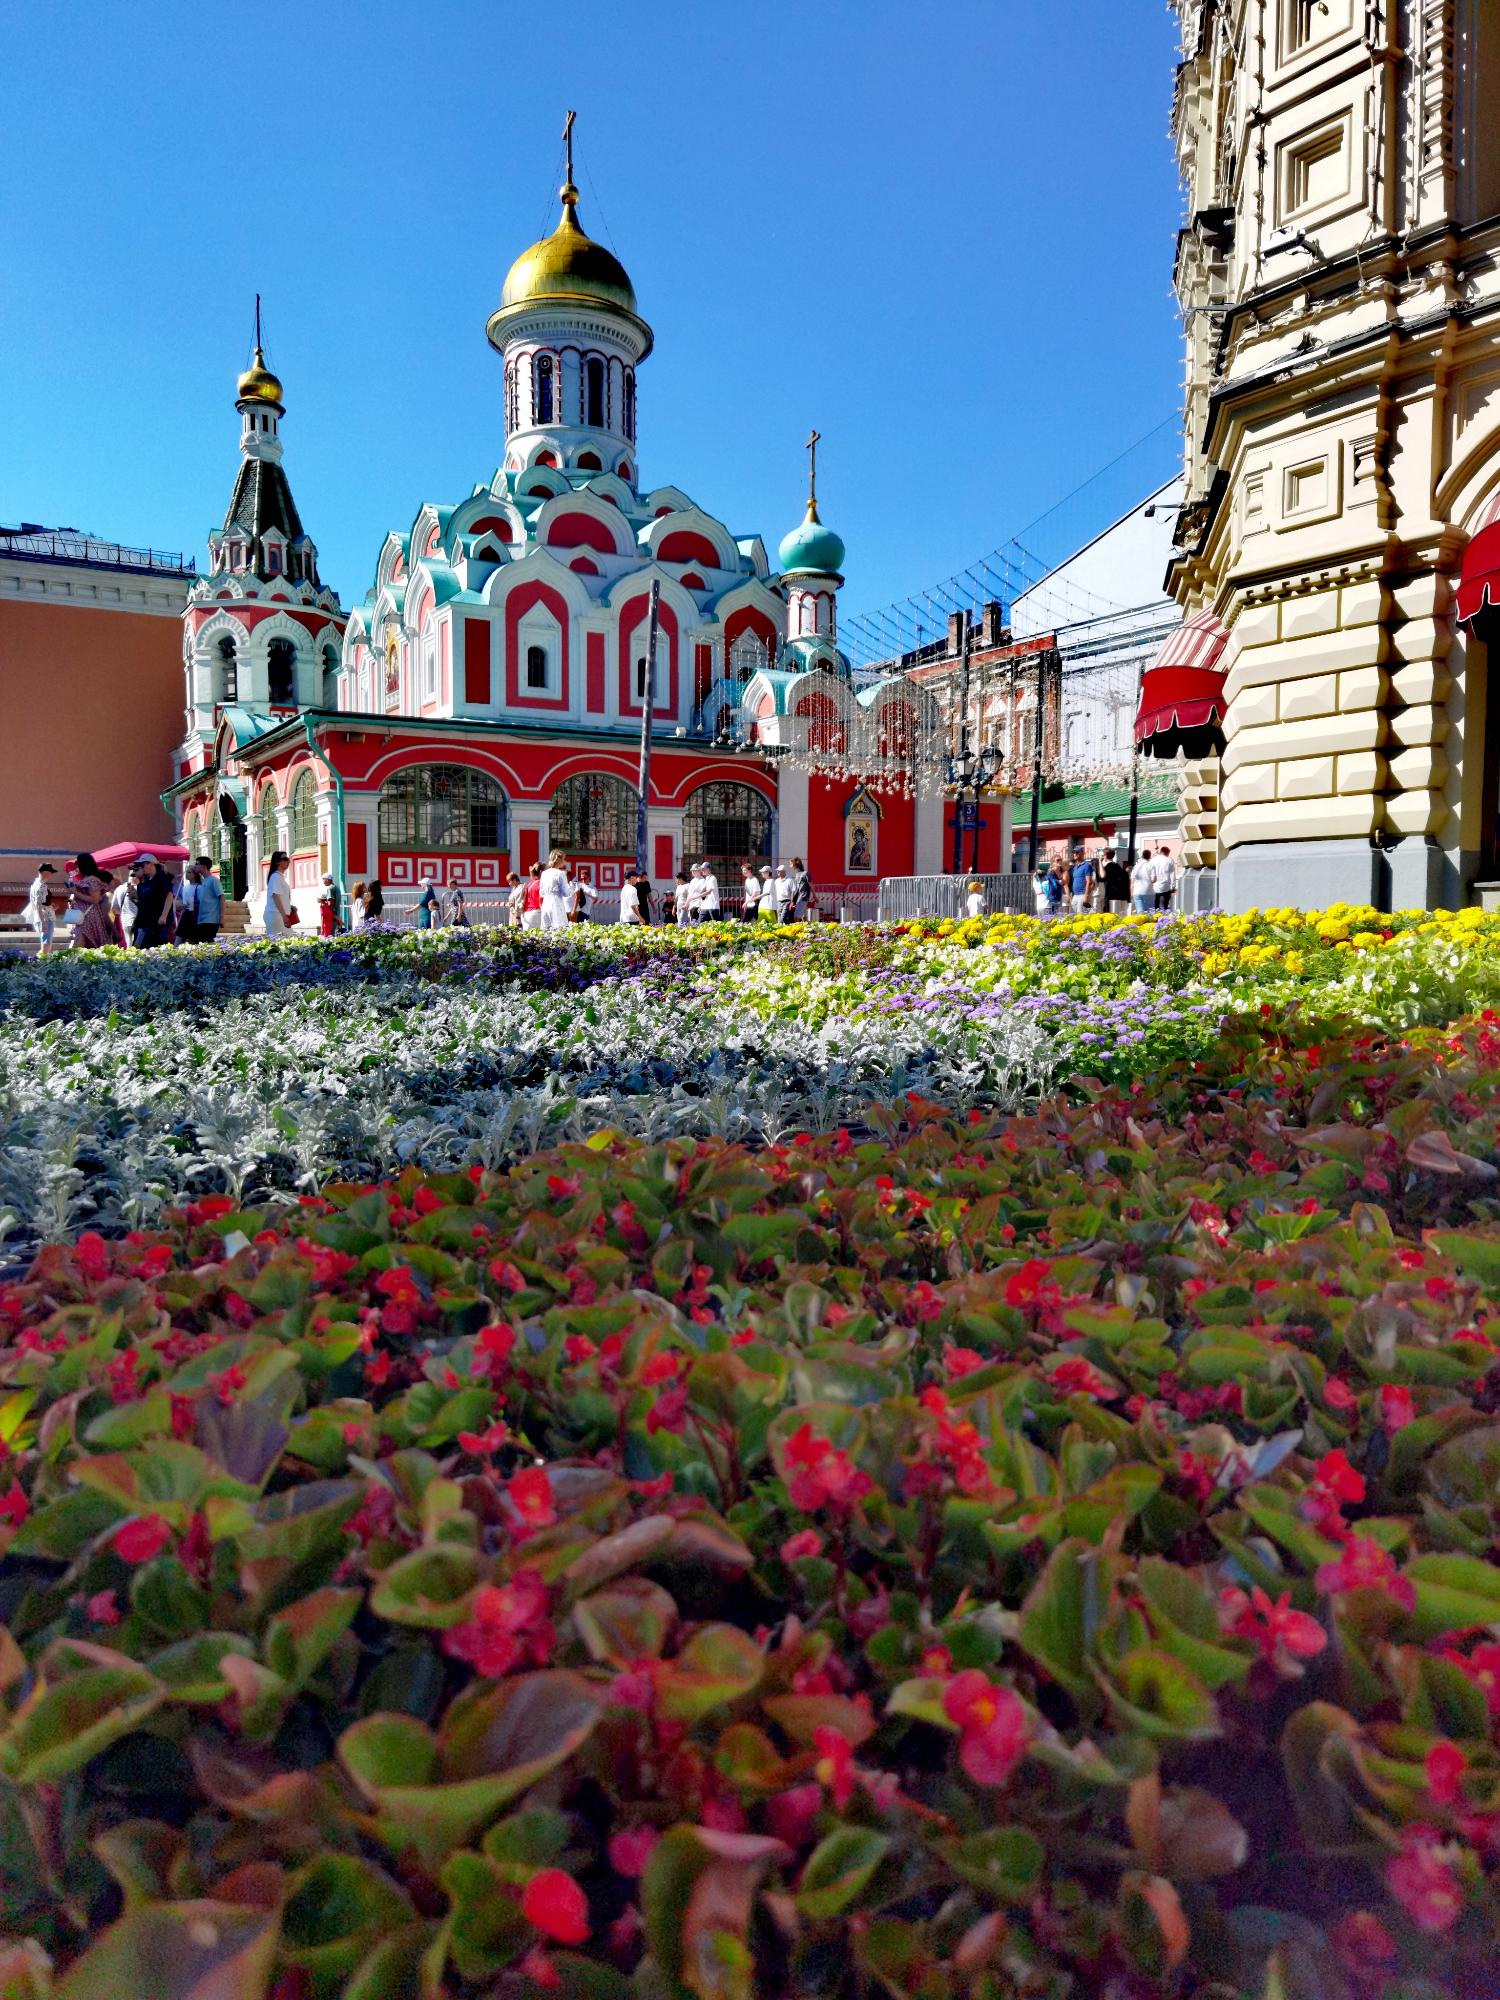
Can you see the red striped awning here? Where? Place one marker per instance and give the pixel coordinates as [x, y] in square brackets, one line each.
[1183, 688]
[1479, 579]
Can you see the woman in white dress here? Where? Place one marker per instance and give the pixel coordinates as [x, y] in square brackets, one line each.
[554, 893]
[277, 911]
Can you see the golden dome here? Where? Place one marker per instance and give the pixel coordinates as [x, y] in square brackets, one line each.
[569, 267]
[258, 384]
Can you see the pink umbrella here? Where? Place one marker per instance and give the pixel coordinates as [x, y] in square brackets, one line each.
[123, 852]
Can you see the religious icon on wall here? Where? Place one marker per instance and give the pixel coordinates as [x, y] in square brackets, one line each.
[861, 817]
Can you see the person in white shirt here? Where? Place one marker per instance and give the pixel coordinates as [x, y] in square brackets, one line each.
[750, 894]
[580, 895]
[695, 894]
[781, 892]
[39, 907]
[712, 908]
[122, 904]
[630, 902]
[554, 893]
[1164, 878]
[1143, 883]
[515, 890]
[974, 903]
[682, 897]
[767, 911]
[276, 911]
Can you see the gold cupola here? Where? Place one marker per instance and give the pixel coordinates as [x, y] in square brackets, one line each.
[567, 268]
[258, 384]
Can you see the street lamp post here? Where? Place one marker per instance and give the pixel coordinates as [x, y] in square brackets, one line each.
[648, 710]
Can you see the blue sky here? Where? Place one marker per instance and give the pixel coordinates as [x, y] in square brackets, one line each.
[941, 233]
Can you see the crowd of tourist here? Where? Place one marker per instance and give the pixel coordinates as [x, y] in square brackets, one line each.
[1105, 881]
[553, 894]
[144, 906]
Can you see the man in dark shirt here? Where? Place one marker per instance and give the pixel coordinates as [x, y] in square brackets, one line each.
[1116, 884]
[153, 903]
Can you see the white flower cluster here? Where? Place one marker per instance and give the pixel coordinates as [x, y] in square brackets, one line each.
[128, 1084]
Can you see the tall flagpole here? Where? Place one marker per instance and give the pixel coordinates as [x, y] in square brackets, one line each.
[648, 709]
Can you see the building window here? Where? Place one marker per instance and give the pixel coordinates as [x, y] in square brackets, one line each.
[542, 398]
[512, 410]
[593, 394]
[330, 674]
[726, 824]
[229, 670]
[281, 673]
[268, 840]
[304, 814]
[273, 559]
[442, 805]
[629, 407]
[536, 667]
[594, 815]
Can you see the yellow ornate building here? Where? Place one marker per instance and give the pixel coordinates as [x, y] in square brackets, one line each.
[1339, 274]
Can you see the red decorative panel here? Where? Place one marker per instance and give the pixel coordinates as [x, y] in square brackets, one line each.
[749, 619]
[664, 857]
[580, 531]
[357, 847]
[521, 600]
[703, 670]
[531, 847]
[594, 677]
[684, 545]
[491, 524]
[476, 660]
[445, 636]
[632, 618]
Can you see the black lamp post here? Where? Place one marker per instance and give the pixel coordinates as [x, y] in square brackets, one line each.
[969, 771]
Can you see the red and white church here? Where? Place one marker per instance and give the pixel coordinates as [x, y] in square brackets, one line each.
[483, 704]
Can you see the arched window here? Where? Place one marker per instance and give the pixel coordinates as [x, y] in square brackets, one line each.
[512, 400]
[594, 814]
[229, 669]
[593, 394]
[281, 672]
[268, 834]
[442, 805]
[330, 674]
[542, 401]
[726, 824]
[629, 410]
[304, 814]
[536, 667]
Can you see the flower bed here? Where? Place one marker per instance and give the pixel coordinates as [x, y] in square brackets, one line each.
[128, 1081]
[1063, 1566]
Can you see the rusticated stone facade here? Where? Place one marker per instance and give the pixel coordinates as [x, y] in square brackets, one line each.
[1339, 272]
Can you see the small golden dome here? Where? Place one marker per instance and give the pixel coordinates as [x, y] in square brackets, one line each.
[258, 384]
[566, 266]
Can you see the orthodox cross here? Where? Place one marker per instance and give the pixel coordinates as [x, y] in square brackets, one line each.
[257, 322]
[812, 470]
[568, 139]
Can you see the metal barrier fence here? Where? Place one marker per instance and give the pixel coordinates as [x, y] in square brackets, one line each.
[904, 896]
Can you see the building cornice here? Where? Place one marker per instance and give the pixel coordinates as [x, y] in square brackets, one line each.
[88, 589]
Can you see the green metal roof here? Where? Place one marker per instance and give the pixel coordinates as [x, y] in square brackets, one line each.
[1095, 802]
